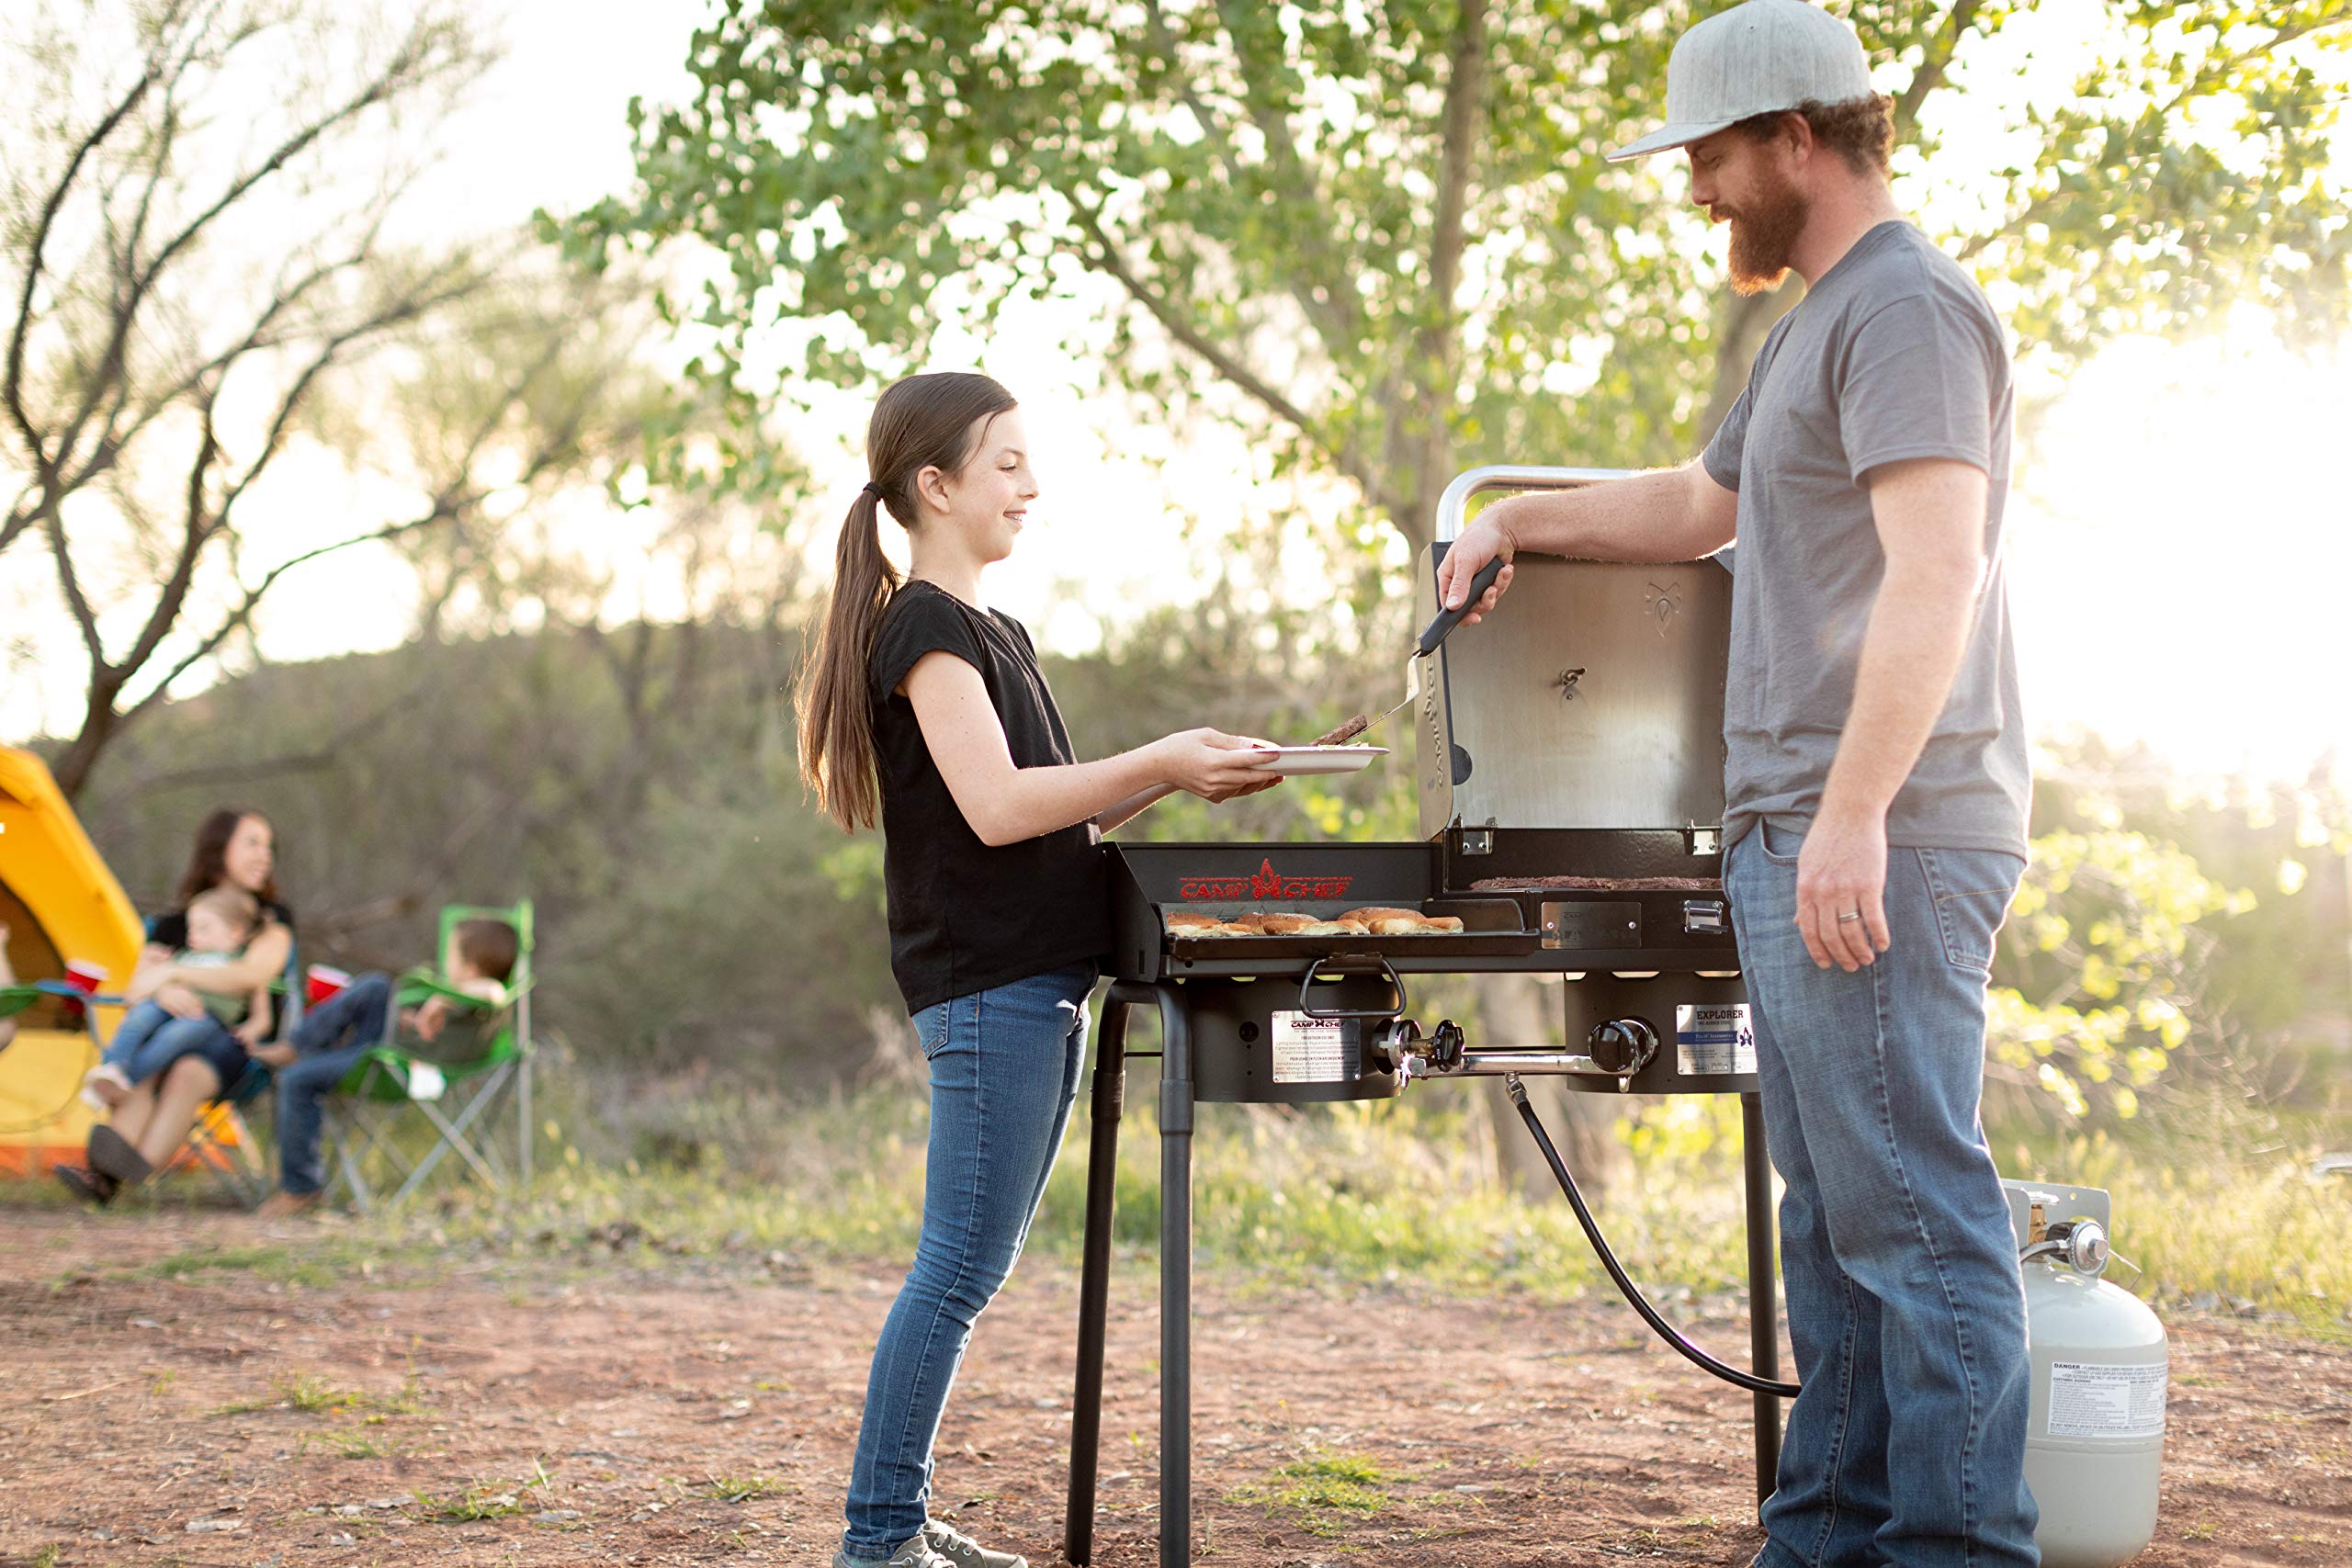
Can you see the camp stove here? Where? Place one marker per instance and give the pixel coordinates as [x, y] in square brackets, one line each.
[1569, 751]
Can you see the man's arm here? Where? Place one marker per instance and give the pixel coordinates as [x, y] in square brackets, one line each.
[1670, 514]
[1930, 518]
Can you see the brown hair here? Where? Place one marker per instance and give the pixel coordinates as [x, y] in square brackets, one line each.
[923, 421]
[235, 904]
[207, 864]
[490, 946]
[1860, 130]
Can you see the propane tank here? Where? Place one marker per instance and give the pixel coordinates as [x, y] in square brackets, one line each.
[2095, 1443]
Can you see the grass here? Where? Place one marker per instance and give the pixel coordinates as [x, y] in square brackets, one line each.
[741, 1488]
[1323, 1492]
[483, 1500]
[315, 1395]
[2211, 1208]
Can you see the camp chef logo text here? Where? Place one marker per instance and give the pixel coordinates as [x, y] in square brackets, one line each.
[1266, 883]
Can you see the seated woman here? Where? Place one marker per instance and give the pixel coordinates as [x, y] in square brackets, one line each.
[194, 1057]
[220, 921]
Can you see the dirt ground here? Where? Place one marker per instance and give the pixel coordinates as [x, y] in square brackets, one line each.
[556, 1412]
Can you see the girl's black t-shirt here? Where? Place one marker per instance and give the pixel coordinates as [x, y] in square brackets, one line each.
[966, 915]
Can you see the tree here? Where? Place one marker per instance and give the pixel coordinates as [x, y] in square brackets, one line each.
[197, 259]
[1387, 233]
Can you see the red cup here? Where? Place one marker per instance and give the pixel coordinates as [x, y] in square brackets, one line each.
[85, 977]
[319, 982]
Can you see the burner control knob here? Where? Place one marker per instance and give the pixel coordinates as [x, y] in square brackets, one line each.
[1391, 1043]
[1621, 1045]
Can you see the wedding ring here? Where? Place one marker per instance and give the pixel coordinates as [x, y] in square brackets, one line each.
[1850, 915]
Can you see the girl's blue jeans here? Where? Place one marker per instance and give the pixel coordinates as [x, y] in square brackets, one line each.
[1005, 1069]
[1906, 1308]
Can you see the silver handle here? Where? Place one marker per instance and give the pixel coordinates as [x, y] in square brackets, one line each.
[1511, 476]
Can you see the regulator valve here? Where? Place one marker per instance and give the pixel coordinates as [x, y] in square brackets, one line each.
[2080, 1244]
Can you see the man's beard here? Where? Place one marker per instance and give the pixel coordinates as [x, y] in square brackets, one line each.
[1764, 233]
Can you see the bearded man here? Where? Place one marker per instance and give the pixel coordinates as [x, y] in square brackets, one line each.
[1876, 784]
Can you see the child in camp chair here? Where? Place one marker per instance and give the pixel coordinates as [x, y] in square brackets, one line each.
[333, 1036]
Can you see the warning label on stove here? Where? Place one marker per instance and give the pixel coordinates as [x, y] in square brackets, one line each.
[1314, 1050]
[2091, 1401]
[1714, 1038]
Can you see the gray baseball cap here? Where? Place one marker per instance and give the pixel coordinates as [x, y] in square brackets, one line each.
[1758, 56]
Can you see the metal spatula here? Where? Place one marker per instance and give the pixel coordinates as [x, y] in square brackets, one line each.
[1437, 632]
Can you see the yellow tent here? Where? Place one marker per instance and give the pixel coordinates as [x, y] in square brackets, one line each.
[59, 902]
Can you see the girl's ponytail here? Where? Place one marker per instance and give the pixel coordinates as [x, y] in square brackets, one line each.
[923, 421]
[836, 706]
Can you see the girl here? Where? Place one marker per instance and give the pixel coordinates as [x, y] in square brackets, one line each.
[995, 886]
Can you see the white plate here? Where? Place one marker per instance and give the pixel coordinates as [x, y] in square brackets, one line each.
[1296, 759]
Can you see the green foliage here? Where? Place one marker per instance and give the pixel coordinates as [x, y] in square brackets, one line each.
[2099, 956]
[2170, 926]
[1384, 237]
[1323, 1492]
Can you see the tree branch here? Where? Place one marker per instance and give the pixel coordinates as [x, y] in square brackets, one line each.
[1246, 381]
[1934, 64]
[376, 90]
[195, 529]
[43, 227]
[1335, 316]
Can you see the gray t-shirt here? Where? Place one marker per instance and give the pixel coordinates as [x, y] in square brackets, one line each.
[1893, 353]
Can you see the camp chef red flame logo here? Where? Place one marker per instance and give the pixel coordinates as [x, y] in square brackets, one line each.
[1266, 883]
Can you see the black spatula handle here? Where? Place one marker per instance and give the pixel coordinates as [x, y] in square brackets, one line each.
[1449, 619]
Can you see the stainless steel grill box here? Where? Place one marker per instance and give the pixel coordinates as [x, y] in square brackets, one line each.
[1592, 700]
[1568, 755]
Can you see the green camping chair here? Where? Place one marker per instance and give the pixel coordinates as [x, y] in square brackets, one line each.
[14, 1000]
[397, 1082]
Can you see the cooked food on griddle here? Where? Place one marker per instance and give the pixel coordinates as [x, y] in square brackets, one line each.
[1370, 920]
[1385, 921]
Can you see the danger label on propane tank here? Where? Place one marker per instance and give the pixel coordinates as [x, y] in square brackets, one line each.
[1314, 1050]
[1714, 1038]
[2091, 1401]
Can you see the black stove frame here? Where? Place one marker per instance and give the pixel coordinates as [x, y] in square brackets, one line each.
[1208, 992]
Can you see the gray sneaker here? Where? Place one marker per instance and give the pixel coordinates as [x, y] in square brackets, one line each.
[963, 1552]
[915, 1553]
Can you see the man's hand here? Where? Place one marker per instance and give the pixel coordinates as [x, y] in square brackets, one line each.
[1842, 871]
[1481, 542]
[278, 1055]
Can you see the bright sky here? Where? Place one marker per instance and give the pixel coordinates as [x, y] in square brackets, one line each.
[2178, 538]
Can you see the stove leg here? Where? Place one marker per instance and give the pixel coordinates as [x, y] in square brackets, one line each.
[1175, 1282]
[1094, 1275]
[1763, 1289]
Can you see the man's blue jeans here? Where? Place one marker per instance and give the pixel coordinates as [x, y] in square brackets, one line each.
[1905, 1307]
[1004, 1068]
[330, 1038]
